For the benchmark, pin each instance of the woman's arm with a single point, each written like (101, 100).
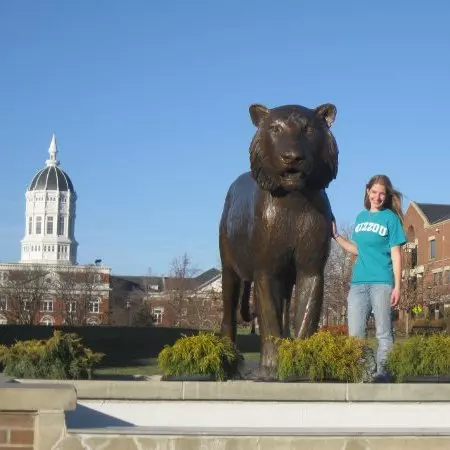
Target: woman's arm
(344, 243)
(396, 257)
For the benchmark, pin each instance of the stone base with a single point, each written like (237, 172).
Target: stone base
(173, 442)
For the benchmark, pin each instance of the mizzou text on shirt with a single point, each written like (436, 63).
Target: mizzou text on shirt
(375, 233)
(372, 227)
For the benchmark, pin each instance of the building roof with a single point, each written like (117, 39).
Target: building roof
(207, 276)
(435, 212)
(144, 283)
(51, 179)
(158, 284)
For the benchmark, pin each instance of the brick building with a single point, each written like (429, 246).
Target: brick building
(427, 254)
(170, 301)
(50, 294)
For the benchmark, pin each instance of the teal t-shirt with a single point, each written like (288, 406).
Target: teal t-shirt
(375, 233)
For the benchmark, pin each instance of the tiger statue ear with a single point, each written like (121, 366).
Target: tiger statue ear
(326, 112)
(258, 113)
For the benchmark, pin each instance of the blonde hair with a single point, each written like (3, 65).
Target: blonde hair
(393, 199)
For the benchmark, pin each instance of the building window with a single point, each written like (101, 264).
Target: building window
(61, 226)
(440, 277)
(158, 314)
(94, 307)
(433, 249)
(447, 276)
(50, 225)
(38, 225)
(413, 257)
(26, 305)
(30, 225)
(3, 276)
(435, 278)
(47, 305)
(71, 306)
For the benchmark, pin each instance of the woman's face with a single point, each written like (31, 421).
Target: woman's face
(377, 196)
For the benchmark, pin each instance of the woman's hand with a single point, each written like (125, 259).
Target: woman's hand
(334, 232)
(343, 242)
(395, 296)
(396, 256)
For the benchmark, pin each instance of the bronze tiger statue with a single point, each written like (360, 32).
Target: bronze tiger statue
(275, 229)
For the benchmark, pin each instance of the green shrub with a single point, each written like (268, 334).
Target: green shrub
(420, 356)
(202, 354)
(22, 359)
(322, 356)
(60, 357)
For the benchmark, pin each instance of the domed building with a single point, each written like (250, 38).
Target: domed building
(48, 286)
(50, 215)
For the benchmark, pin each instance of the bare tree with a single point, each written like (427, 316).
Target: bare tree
(180, 285)
(204, 310)
(79, 291)
(24, 292)
(66, 288)
(338, 272)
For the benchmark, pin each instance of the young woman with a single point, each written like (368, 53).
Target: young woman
(375, 285)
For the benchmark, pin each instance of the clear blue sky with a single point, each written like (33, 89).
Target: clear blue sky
(149, 101)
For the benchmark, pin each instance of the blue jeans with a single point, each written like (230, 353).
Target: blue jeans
(364, 299)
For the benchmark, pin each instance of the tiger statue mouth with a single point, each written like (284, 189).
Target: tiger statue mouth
(292, 179)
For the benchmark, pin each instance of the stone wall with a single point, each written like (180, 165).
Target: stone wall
(114, 442)
(32, 416)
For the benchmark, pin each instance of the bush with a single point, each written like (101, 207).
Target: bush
(202, 354)
(22, 359)
(420, 356)
(323, 356)
(60, 357)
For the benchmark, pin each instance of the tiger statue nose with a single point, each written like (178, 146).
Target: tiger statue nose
(291, 156)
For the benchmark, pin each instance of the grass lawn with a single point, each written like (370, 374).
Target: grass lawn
(145, 367)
